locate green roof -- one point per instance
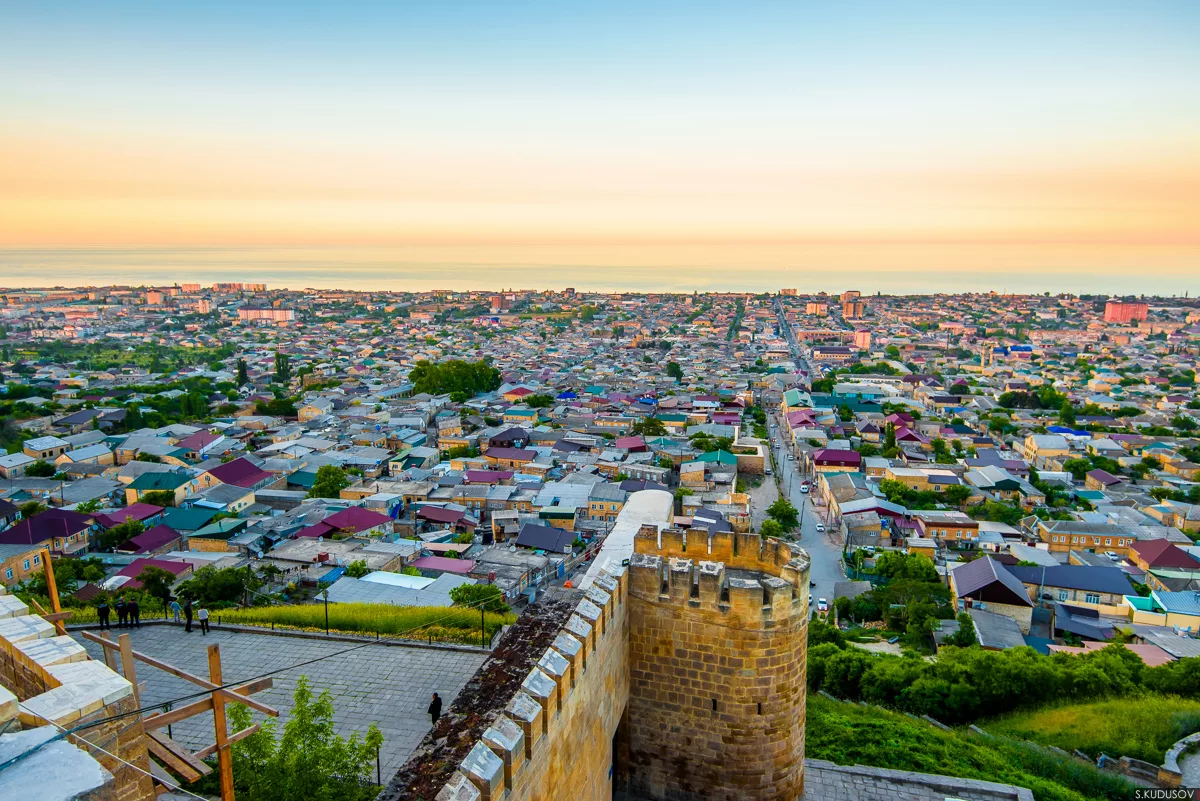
(522, 412)
(188, 519)
(148, 482)
(673, 417)
(302, 478)
(792, 398)
(222, 529)
(720, 457)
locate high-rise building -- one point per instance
(275, 315)
(853, 309)
(1125, 311)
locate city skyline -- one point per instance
(920, 146)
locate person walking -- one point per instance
(203, 616)
(102, 612)
(122, 611)
(135, 613)
(435, 708)
(175, 608)
(187, 613)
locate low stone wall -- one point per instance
(57, 683)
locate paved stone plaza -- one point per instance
(387, 685)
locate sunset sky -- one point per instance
(1021, 140)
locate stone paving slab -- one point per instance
(386, 685)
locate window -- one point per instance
(37, 560)
(1062, 595)
(25, 564)
(1108, 540)
(1092, 598)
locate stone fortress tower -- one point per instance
(678, 675)
(718, 629)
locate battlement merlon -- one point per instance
(755, 596)
(743, 551)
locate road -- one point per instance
(824, 549)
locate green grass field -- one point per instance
(1141, 727)
(853, 735)
(436, 623)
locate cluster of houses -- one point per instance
(600, 396)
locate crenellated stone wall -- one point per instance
(555, 737)
(679, 676)
(718, 643)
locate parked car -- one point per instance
(1112, 555)
(822, 605)
(804, 489)
(791, 457)
(767, 470)
(820, 528)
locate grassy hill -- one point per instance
(848, 734)
(1141, 727)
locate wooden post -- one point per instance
(127, 667)
(52, 590)
(224, 757)
(110, 658)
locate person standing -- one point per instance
(187, 613)
(435, 708)
(122, 611)
(102, 613)
(175, 608)
(135, 613)
(203, 616)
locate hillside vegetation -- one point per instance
(848, 734)
(1141, 727)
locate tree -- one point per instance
(784, 513)
(358, 569)
(539, 401)
(1077, 467)
(462, 452)
(960, 389)
(675, 371)
(771, 528)
(965, 636)
(442, 378)
(649, 427)
(122, 532)
(283, 368)
(957, 494)
(40, 469)
(209, 584)
(868, 449)
(157, 582)
(310, 761)
(479, 596)
(329, 483)
(889, 438)
(163, 498)
(1066, 414)
(243, 375)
